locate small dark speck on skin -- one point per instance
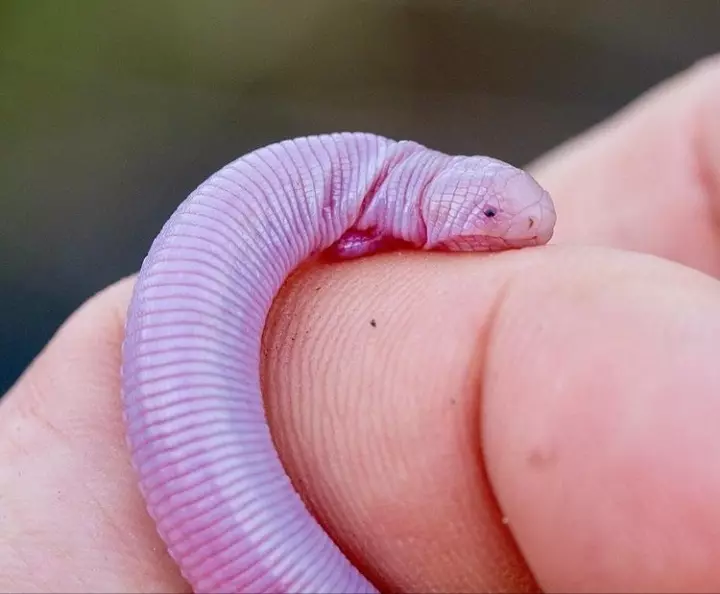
(540, 458)
(373, 323)
(453, 402)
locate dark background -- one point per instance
(111, 112)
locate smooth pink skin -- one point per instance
(209, 471)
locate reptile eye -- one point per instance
(489, 212)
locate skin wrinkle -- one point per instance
(707, 154)
(468, 442)
(514, 574)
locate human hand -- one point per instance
(536, 419)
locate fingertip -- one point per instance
(599, 423)
(646, 179)
(372, 379)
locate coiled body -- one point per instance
(196, 424)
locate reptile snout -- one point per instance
(535, 223)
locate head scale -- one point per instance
(480, 203)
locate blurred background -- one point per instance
(112, 112)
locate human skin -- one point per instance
(541, 419)
(208, 468)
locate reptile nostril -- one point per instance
(531, 222)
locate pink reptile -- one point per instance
(208, 469)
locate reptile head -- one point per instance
(479, 203)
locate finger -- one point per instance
(586, 380)
(601, 424)
(72, 516)
(647, 179)
(381, 430)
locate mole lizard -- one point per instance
(196, 425)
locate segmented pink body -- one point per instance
(212, 479)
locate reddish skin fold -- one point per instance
(196, 424)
